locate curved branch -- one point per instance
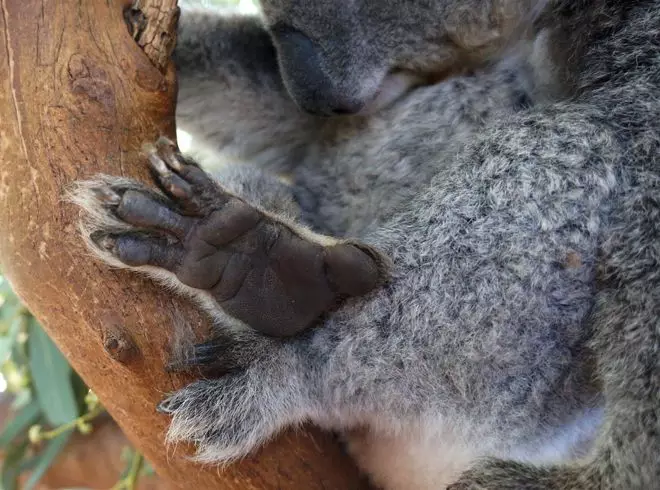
(80, 97)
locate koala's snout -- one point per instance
(310, 85)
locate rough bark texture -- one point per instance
(153, 26)
(78, 97)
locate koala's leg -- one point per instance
(439, 338)
(231, 96)
(237, 259)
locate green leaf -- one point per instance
(51, 378)
(127, 455)
(21, 421)
(147, 469)
(5, 287)
(7, 342)
(80, 390)
(11, 466)
(8, 313)
(19, 353)
(22, 399)
(46, 458)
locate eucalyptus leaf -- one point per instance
(7, 342)
(147, 469)
(127, 455)
(11, 466)
(51, 377)
(8, 312)
(46, 457)
(8, 298)
(22, 399)
(19, 352)
(5, 288)
(80, 390)
(25, 417)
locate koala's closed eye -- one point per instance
(295, 44)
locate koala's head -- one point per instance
(347, 56)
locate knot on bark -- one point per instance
(89, 79)
(119, 344)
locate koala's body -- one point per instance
(503, 226)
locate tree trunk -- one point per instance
(78, 96)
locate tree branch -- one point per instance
(79, 97)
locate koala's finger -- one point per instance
(143, 211)
(137, 250)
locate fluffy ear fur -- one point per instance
(519, 206)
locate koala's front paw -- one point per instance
(269, 274)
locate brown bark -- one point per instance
(78, 97)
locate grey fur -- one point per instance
(522, 216)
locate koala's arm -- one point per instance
(231, 95)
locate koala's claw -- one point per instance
(106, 242)
(166, 406)
(169, 182)
(226, 352)
(168, 151)
(182, 179)
(107, 196)
(258, 269)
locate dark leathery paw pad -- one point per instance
(351, 270)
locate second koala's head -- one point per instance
(338, 56)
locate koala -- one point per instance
(443, 242)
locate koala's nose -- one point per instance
(346, 107)
(311, 87)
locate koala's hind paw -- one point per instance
(255, 267)
(226, 418)
(252, 393)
